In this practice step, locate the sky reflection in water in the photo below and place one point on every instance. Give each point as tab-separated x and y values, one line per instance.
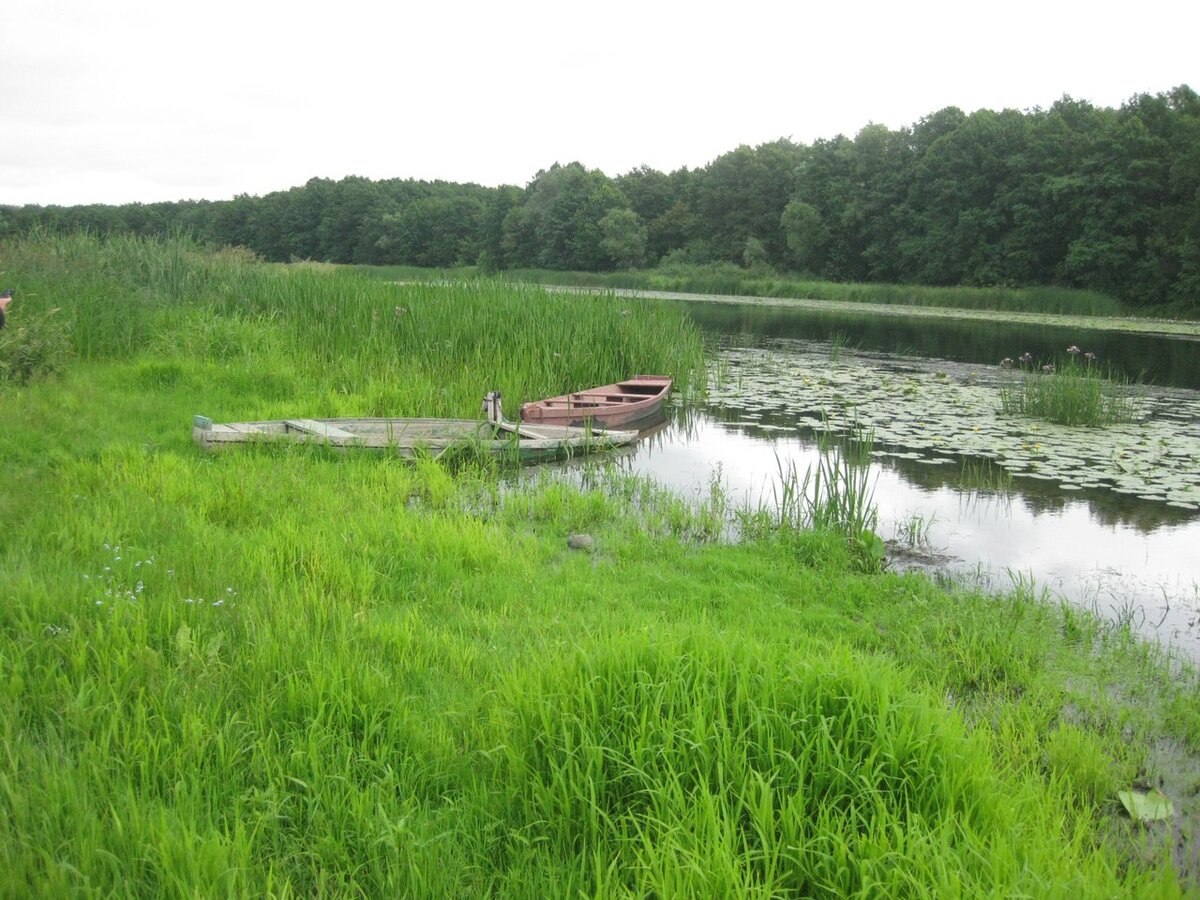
1116	555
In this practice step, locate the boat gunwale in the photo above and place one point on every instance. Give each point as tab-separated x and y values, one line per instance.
606	404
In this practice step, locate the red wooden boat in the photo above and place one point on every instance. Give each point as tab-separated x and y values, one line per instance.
636	403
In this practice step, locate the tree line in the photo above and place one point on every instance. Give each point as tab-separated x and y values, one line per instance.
1073	195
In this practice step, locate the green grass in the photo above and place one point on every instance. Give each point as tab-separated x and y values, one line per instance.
717	769
301	673
1069	392
374	348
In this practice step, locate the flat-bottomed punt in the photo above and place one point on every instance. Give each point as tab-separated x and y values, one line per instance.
634	403
417	437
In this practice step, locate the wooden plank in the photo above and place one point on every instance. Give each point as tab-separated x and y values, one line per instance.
322	429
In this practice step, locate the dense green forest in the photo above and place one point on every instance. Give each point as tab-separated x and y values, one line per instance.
1074	195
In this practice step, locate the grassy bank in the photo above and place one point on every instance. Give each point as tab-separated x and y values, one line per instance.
729	280
300	673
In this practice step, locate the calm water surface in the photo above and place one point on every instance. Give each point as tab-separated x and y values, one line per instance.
1125	558
1173	362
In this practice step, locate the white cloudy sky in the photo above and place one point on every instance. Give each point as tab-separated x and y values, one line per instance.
145	100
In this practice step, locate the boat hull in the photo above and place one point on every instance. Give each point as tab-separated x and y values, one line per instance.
636	403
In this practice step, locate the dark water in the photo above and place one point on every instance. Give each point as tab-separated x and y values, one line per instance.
1171	362
1130	560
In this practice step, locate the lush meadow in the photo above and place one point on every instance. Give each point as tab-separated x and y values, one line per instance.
293	672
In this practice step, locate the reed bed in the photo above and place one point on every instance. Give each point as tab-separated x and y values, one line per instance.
730	280
397	349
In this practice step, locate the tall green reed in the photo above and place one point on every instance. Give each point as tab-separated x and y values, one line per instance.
371	346
836	496
728	279
1073	390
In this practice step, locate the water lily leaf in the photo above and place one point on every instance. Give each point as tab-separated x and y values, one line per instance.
1147	807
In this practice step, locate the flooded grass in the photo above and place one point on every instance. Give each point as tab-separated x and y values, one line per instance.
913	532
835	496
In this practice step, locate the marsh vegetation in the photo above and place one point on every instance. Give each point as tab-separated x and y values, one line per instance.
1071	391
297	672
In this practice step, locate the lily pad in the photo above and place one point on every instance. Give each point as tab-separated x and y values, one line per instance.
1146	807
1154	459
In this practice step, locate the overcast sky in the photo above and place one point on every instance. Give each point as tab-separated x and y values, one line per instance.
147	100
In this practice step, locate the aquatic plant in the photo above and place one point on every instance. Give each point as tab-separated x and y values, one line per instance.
1074	392
837	496
913	531
983	475
838	341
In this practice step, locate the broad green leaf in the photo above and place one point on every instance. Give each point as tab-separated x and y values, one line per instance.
1148	807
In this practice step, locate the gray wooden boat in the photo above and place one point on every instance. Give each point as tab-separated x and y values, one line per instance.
412	437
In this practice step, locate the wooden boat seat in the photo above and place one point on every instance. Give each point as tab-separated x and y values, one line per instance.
311	426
